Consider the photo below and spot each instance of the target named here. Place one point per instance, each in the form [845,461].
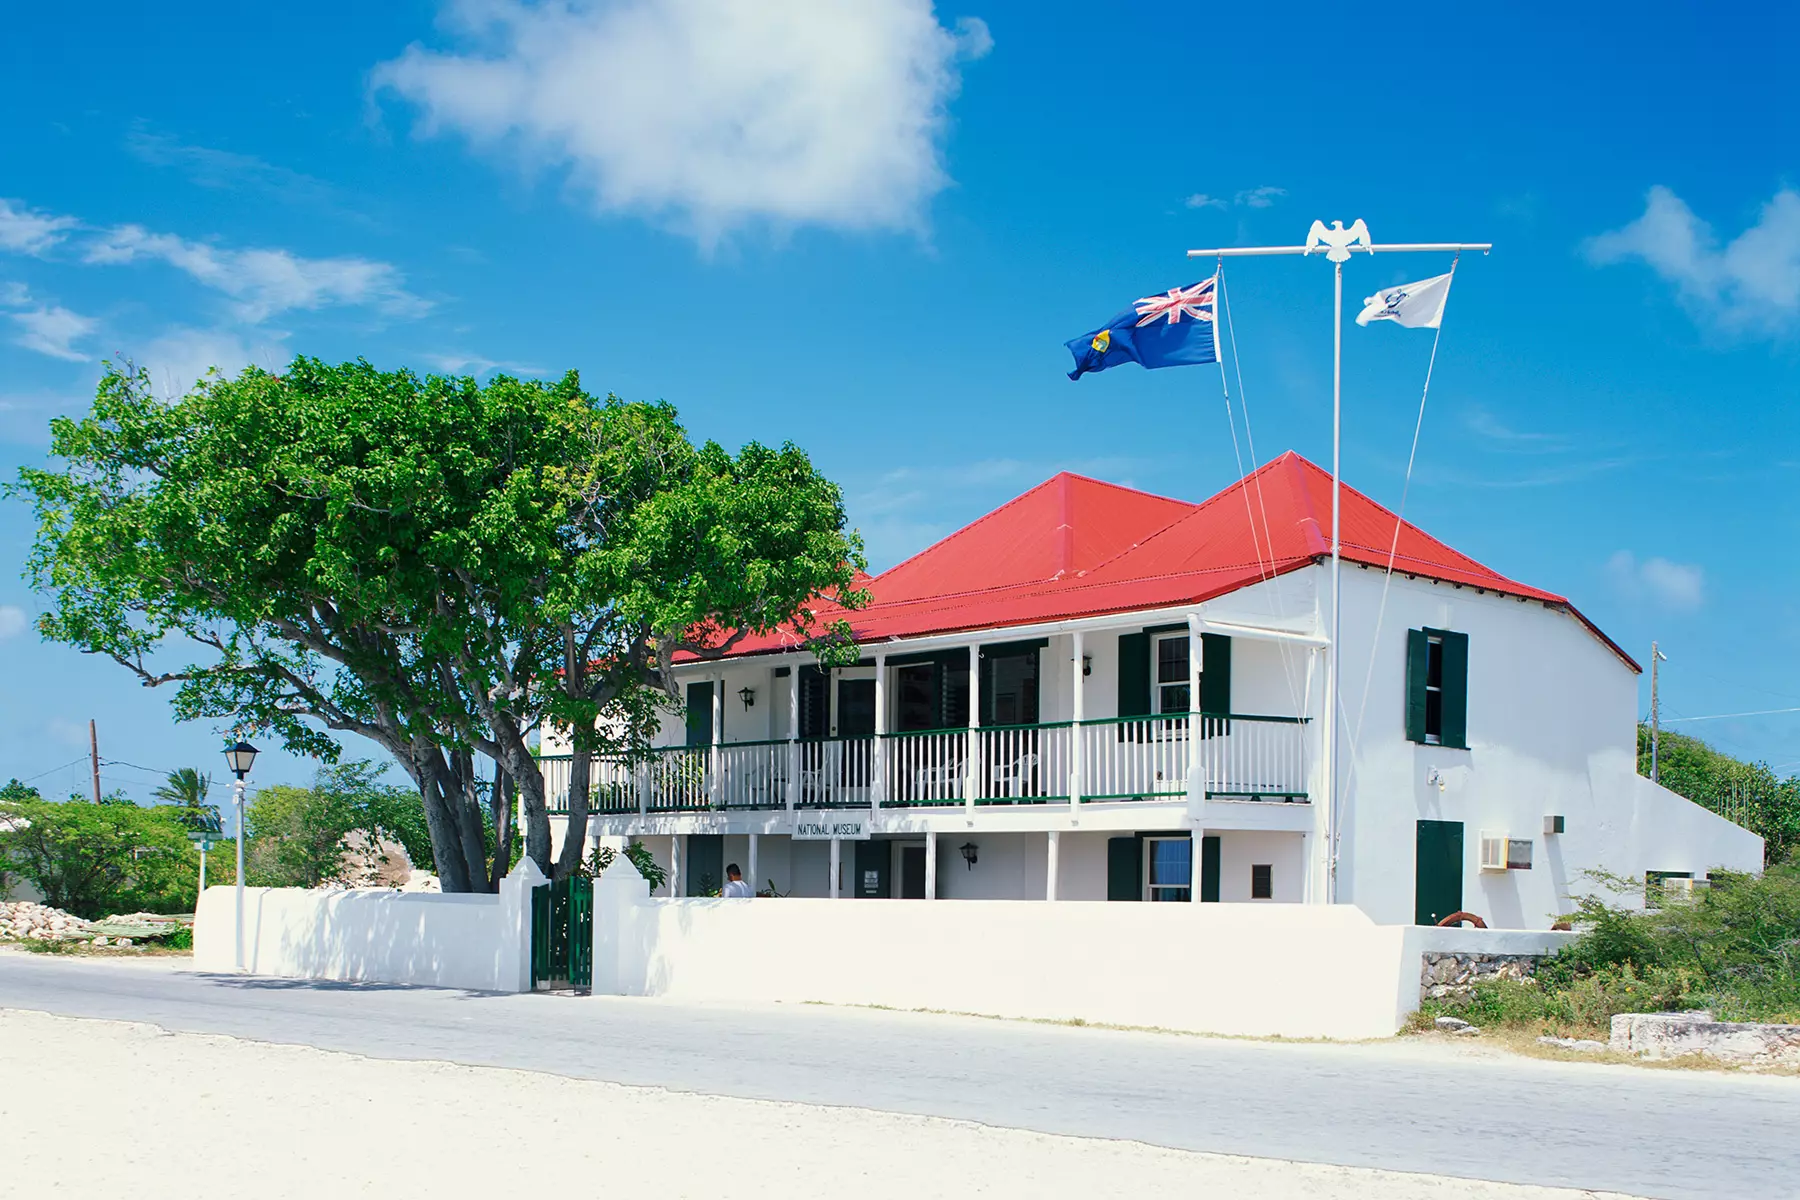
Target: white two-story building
[1093,693]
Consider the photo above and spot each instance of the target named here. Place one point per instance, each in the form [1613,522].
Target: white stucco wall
[1552,720]
[1099,962]
[479,942]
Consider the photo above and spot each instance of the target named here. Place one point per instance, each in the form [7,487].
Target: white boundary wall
[477,942]
[1283,970]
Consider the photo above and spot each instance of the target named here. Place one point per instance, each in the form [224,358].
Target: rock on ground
[344,1126]
[21,919]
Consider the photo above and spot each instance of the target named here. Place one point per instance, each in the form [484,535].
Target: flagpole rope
[1400,515]
[1268,538]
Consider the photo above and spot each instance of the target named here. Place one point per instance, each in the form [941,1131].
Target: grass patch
[50,946]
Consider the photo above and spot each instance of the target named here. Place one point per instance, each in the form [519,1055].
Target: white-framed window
[1169,674]
[1168,868]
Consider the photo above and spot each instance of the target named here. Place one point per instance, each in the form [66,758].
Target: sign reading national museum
[832,827]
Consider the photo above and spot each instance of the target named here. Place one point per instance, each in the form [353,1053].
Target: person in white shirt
[735,887]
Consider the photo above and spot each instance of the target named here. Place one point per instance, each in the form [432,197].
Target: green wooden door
[705,864]
[872,862]
[1438,871]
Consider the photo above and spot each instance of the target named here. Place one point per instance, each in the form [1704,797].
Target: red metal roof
[1076,547]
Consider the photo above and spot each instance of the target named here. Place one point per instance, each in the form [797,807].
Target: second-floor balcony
[1107,761]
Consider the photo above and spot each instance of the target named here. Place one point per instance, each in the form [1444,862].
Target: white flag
[1415,305]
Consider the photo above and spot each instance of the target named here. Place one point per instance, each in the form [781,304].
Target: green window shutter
[1134,674]
[1456,690]
[1125,868]
[1417,650]
[699,713]
[1215,674]
[1209,870]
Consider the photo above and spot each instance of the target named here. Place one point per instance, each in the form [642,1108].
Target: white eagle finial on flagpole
[1337,240]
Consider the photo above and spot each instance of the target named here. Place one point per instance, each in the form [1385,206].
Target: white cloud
[179,358]
[46,328]
[1259,197]
[1256,197]
[27,231]
[1674,585]
[12,620]
[265,282]
[1752,282]
[710,113]
[474,364]
[54,330]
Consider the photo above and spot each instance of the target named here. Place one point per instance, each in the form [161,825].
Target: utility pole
[94,756]
[1336,245]
[1656,656]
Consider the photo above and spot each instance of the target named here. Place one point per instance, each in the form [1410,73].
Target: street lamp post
[240,758]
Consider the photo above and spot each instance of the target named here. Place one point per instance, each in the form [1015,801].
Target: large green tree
[432,563]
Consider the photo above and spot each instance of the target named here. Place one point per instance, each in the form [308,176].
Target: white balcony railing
[1108,760]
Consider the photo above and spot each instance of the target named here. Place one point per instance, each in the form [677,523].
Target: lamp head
[240,758]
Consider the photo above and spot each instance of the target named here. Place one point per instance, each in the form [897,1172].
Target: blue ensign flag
[1171,330]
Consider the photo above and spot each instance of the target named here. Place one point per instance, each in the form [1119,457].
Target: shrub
[1734,948]
[93,859]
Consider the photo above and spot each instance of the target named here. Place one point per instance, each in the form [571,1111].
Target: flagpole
[1331,663]
[1337,245]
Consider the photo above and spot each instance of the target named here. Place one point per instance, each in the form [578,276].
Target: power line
[53,770]
[1761,712]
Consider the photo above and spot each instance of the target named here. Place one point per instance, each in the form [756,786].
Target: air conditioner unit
[1493,851]
[1502,853]
[1677,888]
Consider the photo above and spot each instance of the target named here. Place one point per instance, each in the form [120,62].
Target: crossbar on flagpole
[1337,245]
[1386,248]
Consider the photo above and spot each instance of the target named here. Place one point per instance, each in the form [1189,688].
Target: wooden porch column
[675,866]
[713,782]
[878,785]
[972,767]
[1053,838]
[752,864]
[1077,713]
[793,779]
[930,865]
[836,859]
[1199,777]
[1198,774]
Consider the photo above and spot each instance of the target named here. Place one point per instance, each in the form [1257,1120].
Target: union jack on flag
[1195,303]
[1170,329]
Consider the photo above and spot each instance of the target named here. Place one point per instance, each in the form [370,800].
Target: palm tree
[187,789]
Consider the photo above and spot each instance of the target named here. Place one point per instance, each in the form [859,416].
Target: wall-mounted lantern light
[1087,664]
[968,853]
[748,696]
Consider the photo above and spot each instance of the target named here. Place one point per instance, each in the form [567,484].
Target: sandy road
[200,1114]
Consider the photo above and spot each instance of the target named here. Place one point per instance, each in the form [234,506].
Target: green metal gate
[562,932]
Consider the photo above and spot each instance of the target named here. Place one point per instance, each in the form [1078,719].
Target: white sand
[106,1108]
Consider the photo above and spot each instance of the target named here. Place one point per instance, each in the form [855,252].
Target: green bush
[1734,949]
[95,859]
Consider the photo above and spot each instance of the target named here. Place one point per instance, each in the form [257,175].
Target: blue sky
[869,227]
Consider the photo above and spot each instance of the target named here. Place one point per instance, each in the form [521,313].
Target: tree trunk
[501,801]
[471,832]
[428,770]
[581,764]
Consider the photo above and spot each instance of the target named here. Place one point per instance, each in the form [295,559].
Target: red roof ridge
[1058,478]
